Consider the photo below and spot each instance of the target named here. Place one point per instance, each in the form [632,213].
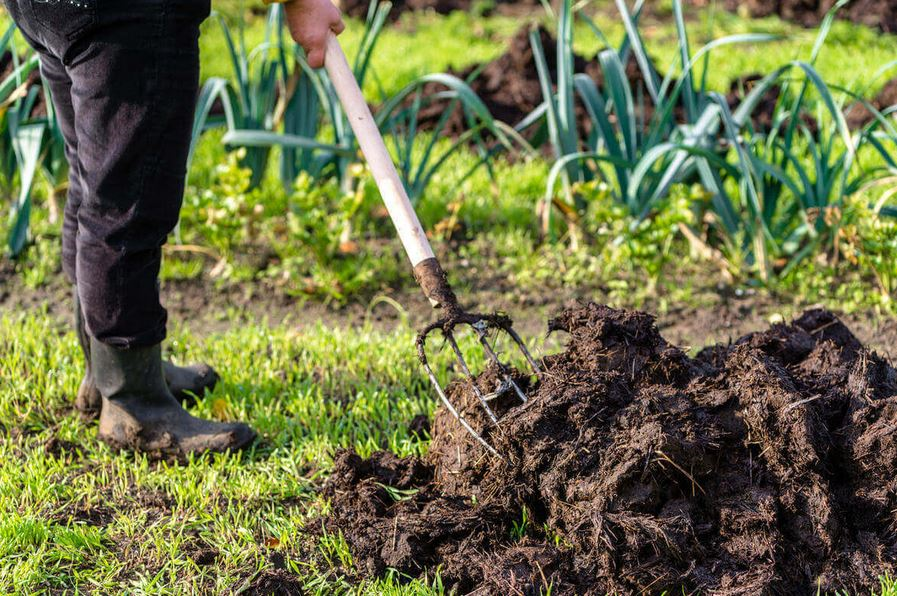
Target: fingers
[316,52]
[311,23]
[315,56]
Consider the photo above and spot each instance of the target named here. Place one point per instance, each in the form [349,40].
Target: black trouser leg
[124,76]
[60,85]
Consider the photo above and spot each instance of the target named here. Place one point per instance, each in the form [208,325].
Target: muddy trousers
[124,76]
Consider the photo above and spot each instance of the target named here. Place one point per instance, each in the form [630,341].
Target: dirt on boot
[140,414]
[186,383]
[762,466]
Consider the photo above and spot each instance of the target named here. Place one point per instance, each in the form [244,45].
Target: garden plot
[509,87]
[766,465]
[880,14]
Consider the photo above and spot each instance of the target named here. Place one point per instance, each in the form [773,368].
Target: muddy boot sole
[159,444]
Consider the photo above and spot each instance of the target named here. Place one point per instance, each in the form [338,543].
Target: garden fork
[427,271]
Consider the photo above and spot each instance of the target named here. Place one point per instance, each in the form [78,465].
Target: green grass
[306,393]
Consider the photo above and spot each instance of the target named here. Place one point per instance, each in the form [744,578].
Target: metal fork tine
[516,387]
[522,346]
[481,324]
[504,369]
[455,413]
[450,338]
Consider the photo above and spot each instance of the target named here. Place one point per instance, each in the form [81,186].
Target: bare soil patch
[764,465]
[206,307]
[859,115]
[877,14]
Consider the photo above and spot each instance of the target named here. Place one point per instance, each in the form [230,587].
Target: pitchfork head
[481,325]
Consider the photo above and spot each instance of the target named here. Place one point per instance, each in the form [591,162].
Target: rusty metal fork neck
[434,282]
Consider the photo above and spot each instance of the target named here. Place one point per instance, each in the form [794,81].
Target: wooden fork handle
[427,270]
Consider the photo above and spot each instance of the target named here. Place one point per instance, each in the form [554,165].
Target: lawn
[75,514]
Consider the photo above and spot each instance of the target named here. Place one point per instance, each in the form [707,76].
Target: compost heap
[763,466]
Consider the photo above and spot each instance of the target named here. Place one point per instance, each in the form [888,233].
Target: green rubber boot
[139,413]
[185,382]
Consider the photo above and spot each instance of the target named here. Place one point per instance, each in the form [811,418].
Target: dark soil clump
[275,582]
[204,556]
[763,466]
[92,515]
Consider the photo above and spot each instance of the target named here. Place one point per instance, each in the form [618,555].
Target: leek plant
[310,92]
[791,190]
[881,135]
[776,197]
[792,181]
[638,145]
[249,101]
[21,140]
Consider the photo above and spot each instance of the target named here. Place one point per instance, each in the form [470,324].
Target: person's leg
[134,92]
[184,382]
[134,89]
[88,400]
[133,69]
